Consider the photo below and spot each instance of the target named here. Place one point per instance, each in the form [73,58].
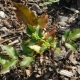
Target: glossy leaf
[30,30]
[65,35]
[31,42]
[43,48]
[11,52]
[27,51]
[26,61]
[3,59]
[38,31]
[9,64]
[75,34]
[71,45]
[55,44]
[27,15]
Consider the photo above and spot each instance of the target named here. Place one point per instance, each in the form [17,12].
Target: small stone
[66,73]
[62,24]
[63,18]
[76,11]
[2,14]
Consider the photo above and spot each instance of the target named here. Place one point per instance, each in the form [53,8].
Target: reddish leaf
[50,33]
[25,14]
[43,20]
[28,17]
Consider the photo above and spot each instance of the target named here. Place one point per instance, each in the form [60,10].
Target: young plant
[39,41]
[69,37]
[12,59]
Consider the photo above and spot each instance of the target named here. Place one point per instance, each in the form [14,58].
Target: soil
[62,15]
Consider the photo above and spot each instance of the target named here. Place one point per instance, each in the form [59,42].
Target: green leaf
[71,45]
[49,39]
[31,42]
[9,64]
[74,34]
[3,59]
[55,44]
[57,50]
[54,1]
[66,35]
[27,51]
[43,48]
[26,61]
[11,52]
[38,31]
[49,2]
[30,30]
[45,3]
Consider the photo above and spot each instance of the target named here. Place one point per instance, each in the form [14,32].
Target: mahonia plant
[13,58]
[69,37]
[38,40]
[37,43]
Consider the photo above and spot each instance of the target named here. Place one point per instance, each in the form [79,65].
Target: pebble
[2,14]
[63,18]
[66,73]
[62,24]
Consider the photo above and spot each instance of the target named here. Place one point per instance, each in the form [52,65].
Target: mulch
[63,15]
